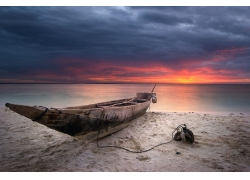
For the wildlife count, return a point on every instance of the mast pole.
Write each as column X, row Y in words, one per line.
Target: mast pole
column 153, row 88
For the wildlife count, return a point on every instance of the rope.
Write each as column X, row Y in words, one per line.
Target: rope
column 119, row 147
column 109, row 146
column 41, row 115
column 60, row 112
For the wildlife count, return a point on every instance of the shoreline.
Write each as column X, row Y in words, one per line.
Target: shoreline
column 221, row 145
column 226, row 113
column 221, row 113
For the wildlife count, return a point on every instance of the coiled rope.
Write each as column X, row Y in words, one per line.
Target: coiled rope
column 141, row 151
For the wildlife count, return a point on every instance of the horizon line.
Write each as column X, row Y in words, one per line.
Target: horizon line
column 137, row 83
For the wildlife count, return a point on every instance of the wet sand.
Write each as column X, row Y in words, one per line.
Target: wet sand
column 221, row 144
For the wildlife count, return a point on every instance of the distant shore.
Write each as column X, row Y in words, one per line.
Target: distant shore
column 221, row 144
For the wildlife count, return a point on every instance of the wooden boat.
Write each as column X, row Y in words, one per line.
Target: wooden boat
column 85, row 122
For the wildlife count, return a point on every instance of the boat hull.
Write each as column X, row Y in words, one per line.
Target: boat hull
column 85, row 122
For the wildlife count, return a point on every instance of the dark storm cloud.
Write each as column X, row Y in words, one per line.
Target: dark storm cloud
column 164, row 19
column 32, row 37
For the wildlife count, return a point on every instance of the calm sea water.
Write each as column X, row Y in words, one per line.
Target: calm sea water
column 171, row 98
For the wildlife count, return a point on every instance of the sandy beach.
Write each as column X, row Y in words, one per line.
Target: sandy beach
column 221, row 144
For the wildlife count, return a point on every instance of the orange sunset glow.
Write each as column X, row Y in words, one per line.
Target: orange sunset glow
column 149, row 73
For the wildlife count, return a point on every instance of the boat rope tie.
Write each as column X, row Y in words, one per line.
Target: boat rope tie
column 41, row 115
column 60, row 112
column 47, row 109
column 184, row 133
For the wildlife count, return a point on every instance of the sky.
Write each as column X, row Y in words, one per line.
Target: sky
column 109, row 44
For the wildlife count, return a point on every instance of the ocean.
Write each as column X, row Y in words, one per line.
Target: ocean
column 170, row 97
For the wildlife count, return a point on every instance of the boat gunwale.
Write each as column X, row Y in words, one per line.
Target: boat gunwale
column 126, row 100
column 104, row 107
column 106, row 102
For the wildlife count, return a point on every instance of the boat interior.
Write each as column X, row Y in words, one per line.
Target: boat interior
column 140, row 98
